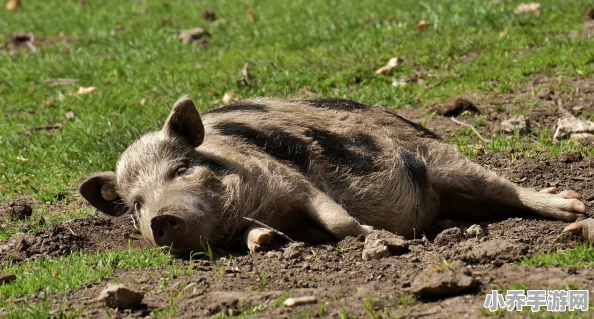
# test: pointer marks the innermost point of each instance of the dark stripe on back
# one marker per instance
(420, 128)
(353, 152)
(275, 142)
(336, 104)
(416, 170)
(213, 164)
(240, 107)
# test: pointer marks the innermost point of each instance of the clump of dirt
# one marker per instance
(16, 209)
(27, 41)
(91, 234)
(455, 107)
(209, 15)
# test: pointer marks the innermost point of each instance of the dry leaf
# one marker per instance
(13, 4)
(86, 90)
(69, 116)
(393, 63)
(142, 102)
(229, 98)
(503, 33)
(307, 90)
(251, 15)
(195, 36)
(3, 187)
(422, 25)
(22, 159)
(245, 77)
(399, 82)
(527, 8)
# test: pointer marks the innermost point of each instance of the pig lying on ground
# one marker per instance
(317, 170)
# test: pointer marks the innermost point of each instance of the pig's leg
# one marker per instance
(258, 238)
(333, 217)
(450, 172)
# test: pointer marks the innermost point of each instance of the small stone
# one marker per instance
(570, 157)
(6, 279)
(273, 254)
(297, 301)
(516, 123)
(17, 209)
(475, 231)
(119, 296)
(381, 244)
(568, 126)
(455, 107)
(438, 281)
(545, 94)
(450, 235)
(293, 250)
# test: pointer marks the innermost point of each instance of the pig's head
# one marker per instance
(175, 201)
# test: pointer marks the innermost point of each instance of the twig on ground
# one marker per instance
(245, 80)
(266, 226)
(54, 82)
(562, 109)
(472, 128)
(71, 231)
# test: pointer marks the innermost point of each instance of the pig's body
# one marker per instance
(317, 170)
(369, 161)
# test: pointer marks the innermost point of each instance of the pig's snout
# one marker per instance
(167, 229)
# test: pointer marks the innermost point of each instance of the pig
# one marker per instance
(317, 170)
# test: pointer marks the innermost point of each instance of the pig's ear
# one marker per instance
(185, 122)
(100, 191)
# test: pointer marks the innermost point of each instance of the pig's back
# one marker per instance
(359, 155)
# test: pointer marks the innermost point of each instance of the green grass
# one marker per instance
(130, 51)
(580, 257)
(126, 51)
(75, 270)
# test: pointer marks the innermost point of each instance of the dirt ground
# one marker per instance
(342, 282)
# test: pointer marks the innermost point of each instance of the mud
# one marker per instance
(92, 234)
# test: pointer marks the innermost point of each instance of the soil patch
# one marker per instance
(92, 234)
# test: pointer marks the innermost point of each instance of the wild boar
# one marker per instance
(317, 170)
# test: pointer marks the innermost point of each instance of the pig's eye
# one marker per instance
(182, 170)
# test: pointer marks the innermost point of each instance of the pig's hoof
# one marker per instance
(583, 228)
(566, 205)
(259, 239)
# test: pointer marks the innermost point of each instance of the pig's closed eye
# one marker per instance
(182, 170)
